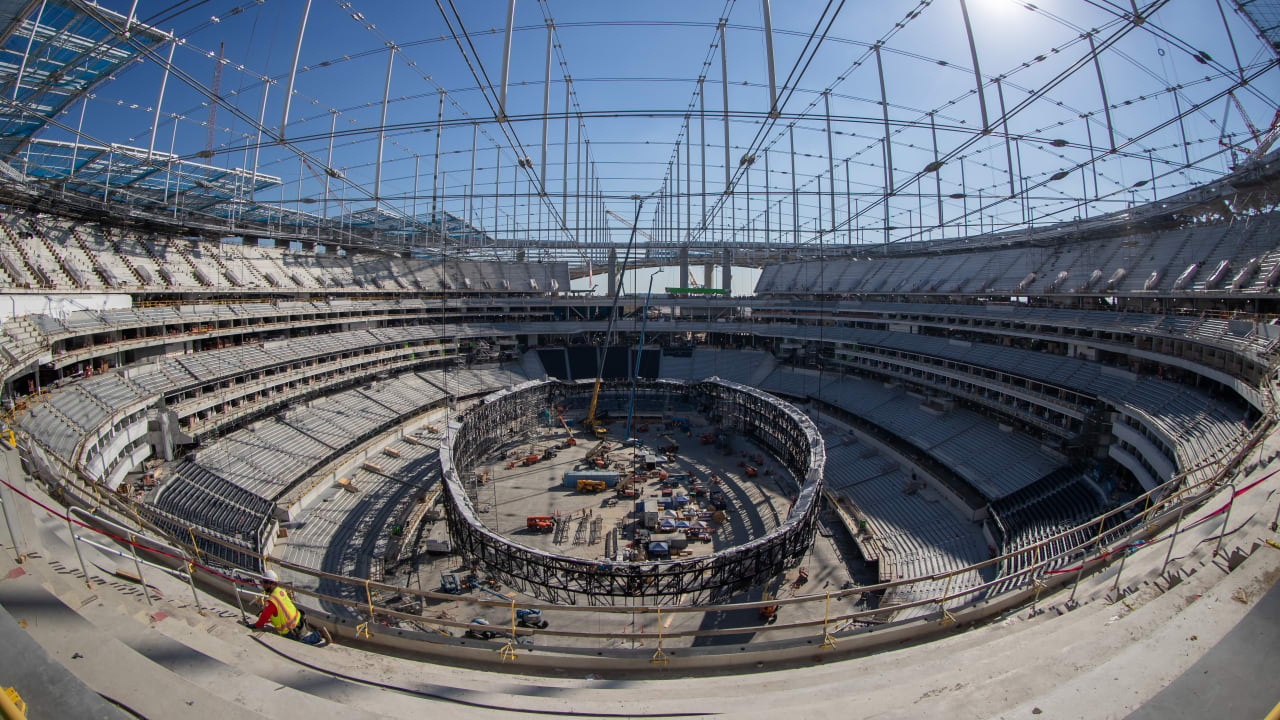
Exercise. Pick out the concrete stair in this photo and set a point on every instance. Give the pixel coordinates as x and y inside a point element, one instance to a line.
<point>21,261</point>
<point>124,258</point>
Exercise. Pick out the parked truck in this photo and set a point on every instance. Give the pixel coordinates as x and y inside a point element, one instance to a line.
<point>540,523</point>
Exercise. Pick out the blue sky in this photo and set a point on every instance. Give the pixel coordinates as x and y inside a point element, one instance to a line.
<point>635,59</point>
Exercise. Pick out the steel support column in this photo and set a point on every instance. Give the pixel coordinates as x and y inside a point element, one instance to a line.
<point>831,160</point>
<point>977,72</point>
<point>164,80</point>
<point>795,196</point>
<point>937,173</point>
<point>1102,87</point>
<point>506,60</point>
<point>888,143</point>
<point>724,88</point>
<point>702,138</point>
<point>546,109</point>
<point>768,52</point>
<point>293,68</point>
<point>564,164</point>
<point>382,128</point>
<point>1008,148</point>
<point>328,160</point>
<point>257,145</point>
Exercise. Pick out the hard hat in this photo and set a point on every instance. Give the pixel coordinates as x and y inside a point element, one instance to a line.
<point>270,576</point>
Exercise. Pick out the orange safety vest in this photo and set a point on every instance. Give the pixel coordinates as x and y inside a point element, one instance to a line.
<point>286,616</point>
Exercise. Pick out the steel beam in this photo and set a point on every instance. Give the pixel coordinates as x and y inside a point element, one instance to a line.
<point>768,52</point>
<point>1008,148</point>
<point>506,60</point>
<point>546,109</point>
<point>724,89</point>
<point>977,72</point>
<point>888,142</point>
<point>1102,87</point>
<point>22,67</point>
<point>164,80</point>
<point>293,68</point>
<point>382,128</point>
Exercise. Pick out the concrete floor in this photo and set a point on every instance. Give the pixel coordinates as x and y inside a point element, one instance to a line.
<point>1105,658</point>
<point>757,505</point>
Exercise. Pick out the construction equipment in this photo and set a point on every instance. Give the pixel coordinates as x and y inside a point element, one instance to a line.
<point>571,441</point>
<point>600,448</point>
<point>591,486</point>
<point>768,613</point>
<point>590,422</point>
<point>623,220</point>
<point>801,579</point>
<point>531,619</point>
<point>751,471</point>
<point>540,523</point>
<point>530,460</point>
<point>449,583</point>
<point>215,87</point>
<point>476,634</point>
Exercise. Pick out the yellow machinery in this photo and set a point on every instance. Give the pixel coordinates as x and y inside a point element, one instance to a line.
<point>570,441</point>
<point>591,486</point>
<point>590,423</point>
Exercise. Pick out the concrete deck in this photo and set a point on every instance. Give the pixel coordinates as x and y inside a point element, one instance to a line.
<point>1106,657</point>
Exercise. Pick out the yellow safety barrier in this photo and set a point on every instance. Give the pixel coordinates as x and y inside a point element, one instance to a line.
<point>11,705</point>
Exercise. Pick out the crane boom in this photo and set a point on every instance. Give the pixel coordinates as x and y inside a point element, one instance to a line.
<point>214,87</point>
<point>590,421</point>
<point>1253,130</point>
<point>633,227</point>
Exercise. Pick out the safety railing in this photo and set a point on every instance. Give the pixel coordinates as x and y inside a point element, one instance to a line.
<point>132,541</point>
<point>1093,544</point>
<point>1148,512</point>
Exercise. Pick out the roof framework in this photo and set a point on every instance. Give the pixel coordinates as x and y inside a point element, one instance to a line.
<point>844,156</point>
<point>52,56</point>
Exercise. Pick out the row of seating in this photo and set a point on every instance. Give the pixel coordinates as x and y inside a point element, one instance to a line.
<point>190,496</point>
<point>62,420</point>
<point>1056,508</point>
<point>995,462</point>
<point>270,457</point>
<point>44,251</point>
<point>351,533</point>
<point>736,365</point>
<point>913,529</point>
<point>1237,257</point>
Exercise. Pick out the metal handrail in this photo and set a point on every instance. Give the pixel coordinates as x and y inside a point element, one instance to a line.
<point>1159,504</point>
<point>131,543</point>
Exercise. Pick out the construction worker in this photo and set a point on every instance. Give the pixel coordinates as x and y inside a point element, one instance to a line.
<point>284,616</point>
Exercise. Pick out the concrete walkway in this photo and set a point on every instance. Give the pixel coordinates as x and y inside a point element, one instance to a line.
<point>1105,658</point>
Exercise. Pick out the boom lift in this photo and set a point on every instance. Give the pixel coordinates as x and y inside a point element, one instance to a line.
<point>590,423</point>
